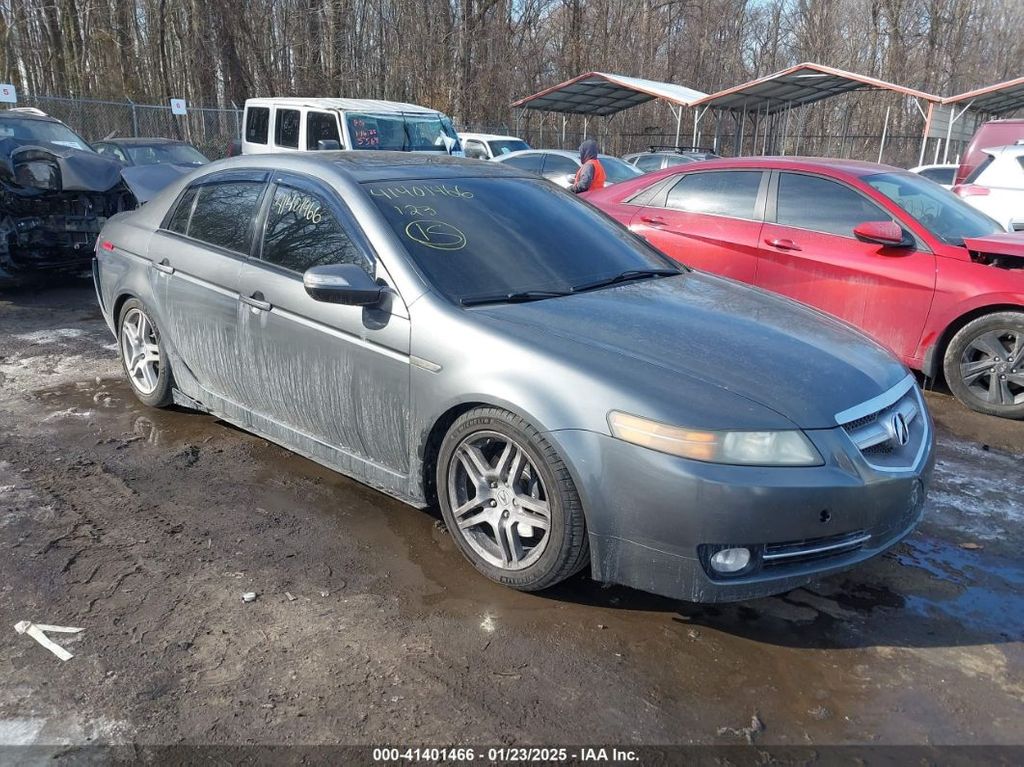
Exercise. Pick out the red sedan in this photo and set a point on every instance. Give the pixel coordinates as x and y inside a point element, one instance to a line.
<point>934,280</point>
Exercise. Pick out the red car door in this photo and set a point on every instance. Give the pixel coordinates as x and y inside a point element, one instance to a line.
<point>808,252</point>
<point>709,220</point>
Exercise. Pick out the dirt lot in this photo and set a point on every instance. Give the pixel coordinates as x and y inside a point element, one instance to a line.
<point>146,527</point>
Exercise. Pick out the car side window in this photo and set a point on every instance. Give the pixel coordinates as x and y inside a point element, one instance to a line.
<point>939,175</point>
<point>721,193</point>
<point>530,162</point>
<point>303,231</point>
<point>178,221</point>
<point>648,162</point>
<point>821,205</point>
<point>286,128</point>
<point>321,126</point>
<point>257,124</point>
<point>556,167</point>
<point>474,149</point>
<point>223,214</point>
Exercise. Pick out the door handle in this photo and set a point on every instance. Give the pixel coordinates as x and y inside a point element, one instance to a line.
<point>164,266</point>
<point>256,301</point>
<point>782,243</point>
<point>654,220</point>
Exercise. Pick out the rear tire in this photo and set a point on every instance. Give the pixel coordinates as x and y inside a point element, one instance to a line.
<point>509,501</point>
<point>143,356</point>
<point>984,365</point>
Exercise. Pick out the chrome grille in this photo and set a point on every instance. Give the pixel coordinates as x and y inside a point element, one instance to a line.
<point>891,431</point>
<point>813,548</point>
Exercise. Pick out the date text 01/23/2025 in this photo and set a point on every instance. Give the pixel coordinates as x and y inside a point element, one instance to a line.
<point>501,754</point>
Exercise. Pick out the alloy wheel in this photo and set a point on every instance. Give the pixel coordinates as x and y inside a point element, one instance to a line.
<point>992,367</point>
<point>141,351</point>
<point>498,500</point>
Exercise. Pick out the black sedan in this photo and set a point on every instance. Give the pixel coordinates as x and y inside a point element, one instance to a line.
<point>152,151</point>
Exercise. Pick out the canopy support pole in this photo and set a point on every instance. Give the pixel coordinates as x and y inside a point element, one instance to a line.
<point>885,132</point>
<point>565,119</point>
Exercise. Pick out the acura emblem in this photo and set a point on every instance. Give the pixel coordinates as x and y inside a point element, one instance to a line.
<point>898,429</point>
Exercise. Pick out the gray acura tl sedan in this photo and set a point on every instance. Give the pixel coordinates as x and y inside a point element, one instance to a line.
<point>465,334</point>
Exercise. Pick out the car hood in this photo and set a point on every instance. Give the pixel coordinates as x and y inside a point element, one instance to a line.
<point>146,181</point>
<point>1003,244</point>
<point>703,338</point>
<point>80,171</point>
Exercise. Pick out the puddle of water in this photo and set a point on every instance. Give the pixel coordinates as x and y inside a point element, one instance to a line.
<point>989,593</point>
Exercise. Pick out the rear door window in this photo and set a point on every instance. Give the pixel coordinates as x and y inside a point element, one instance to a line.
<point>648,162</point>
<point>303,230</point>
<point>530,162</point>
<point>286,128</point>
<point>321,126</point>
<point>178,221</point>
<point>821,205</point>
<point>223,214</point>
<point>257,124</point>
<point>556,168</point>
<point>730,193</point>
<point>939,175</point>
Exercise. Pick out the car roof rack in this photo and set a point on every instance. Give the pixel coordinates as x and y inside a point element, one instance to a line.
<point>679,149</point>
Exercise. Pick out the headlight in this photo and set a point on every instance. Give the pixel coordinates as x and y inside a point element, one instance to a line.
<point>750,448</point>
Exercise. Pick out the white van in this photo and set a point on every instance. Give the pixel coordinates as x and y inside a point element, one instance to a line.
<point>308,125</point>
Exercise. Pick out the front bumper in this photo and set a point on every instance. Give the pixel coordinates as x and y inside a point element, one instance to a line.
<point>654,519</point>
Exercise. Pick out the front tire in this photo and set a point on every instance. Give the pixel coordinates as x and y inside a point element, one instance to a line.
<point>509,501</point>
<point>984,364</point>
<point>142,355</point>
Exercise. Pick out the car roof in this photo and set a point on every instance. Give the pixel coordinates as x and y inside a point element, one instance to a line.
<point>490,137</point>
<point>1011,150</point>
<point>141,141</point>
<point>349,105</point>
<point>364,166</point>
<point>20,114</point>
<point>853,168</point>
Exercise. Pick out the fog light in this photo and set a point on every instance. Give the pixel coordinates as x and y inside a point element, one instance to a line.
<point>730,560</point>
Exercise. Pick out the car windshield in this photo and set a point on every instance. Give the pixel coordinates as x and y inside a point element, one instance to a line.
<point>507,146</point>
<point>42,132</point>
<point>939,211</point>
<point>616,170</point>
<point>476,238</point>
<point>402,132</point>
<point>166,154</point>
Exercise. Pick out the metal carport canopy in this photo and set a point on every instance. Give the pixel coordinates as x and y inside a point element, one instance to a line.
<point>801,84</point>
<point>599,94</point>
<point>999,99</point>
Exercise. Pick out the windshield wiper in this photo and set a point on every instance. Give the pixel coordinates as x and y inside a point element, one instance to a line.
<point>515,298</point>
<point>626,276</point>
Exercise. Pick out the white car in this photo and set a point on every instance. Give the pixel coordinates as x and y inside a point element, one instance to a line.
<point>943,175</point>
<point>487,146</point>
<point>309,124</point>
<point>996,186</point>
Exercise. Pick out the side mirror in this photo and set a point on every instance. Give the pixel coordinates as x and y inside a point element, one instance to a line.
<point>342,284</point>
<point>887,233</point>
<point>1017,225</point>
<point>328,145</point>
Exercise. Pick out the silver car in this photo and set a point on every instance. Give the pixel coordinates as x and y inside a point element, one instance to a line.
<point>559,165</point>
<point>459,333</point>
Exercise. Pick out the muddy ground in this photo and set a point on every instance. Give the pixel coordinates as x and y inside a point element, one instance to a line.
<point>145,527</point>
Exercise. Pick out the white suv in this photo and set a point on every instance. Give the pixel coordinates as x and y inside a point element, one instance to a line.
<point>308,125</point>
<point>996,186</point>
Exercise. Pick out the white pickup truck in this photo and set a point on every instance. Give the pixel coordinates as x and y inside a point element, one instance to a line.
<point>312,124</point>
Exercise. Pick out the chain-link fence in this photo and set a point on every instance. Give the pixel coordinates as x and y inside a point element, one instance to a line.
<point>209,129</point>
<point>213,129</point>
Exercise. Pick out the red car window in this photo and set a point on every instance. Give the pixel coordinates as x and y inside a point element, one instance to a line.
<point>820,205</point>
<point>721,193</point>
